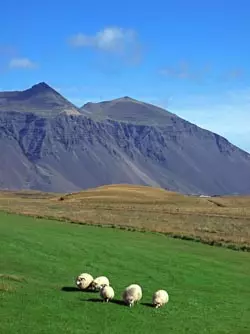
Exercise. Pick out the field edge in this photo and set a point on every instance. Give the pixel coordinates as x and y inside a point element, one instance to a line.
<point>187,237</point>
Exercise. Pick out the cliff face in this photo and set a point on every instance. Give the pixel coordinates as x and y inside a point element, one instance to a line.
<point>72,152</point>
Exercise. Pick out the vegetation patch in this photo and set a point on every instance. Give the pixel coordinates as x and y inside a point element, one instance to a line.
<point>14,278</point>
<point>208,286</point>
<point>220,221</point>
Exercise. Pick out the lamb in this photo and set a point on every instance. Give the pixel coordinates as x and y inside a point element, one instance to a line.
<point>160,298</point>
<point>97,283</point>
<point>83,281</point>
<point>107,293</point>
<point>132,294</point>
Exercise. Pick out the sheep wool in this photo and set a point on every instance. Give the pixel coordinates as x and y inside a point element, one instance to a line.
<point>98,282</point>
<point>160,298</point>
<point>83,281</point>
<point>107,293</point>
<point>132,294</point>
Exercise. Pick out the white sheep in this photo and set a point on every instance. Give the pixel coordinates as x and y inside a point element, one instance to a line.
<point>132,294</point>
<point>83,281</point>
<point>160,298</point>
<point>98,282</point>
<point>106,292</point>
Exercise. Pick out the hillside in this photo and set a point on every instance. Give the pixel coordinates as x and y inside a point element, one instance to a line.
<point>62,153</point>
<point>208,287</point>
<point>222,221</point>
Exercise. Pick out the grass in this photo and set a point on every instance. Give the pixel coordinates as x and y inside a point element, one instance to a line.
<point>223,221</point>
<point>208,286</point>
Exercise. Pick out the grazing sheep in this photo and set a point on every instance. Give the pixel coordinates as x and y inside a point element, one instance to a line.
<point>106,292</point>
<point>83,281</point>
<point>160,298</point>
<point>98,282</point>
<point>132,294</point>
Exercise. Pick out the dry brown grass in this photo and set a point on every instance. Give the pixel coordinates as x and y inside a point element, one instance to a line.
<point>218,220</point>
<point>14,278</point>
<point>6,282</point>
<point>6,287</point>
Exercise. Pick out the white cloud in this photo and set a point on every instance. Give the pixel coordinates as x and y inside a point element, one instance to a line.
<point>109,39</point>
<point>185,71</point>
<point>23,63</point>
<point>115,40</point>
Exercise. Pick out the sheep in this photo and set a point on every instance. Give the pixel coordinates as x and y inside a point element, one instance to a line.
<point>98,282</point>
<point>160,298</point>
<point>83,281</point>
<point>132,294</point>
<point>107,293</point>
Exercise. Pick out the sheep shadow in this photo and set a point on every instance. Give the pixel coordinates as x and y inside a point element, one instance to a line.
<point>70,289</point>
<point>98,300</point>
<point>147,304</point>
<point>93,300</point>
<point>117,302</point>
<point>114,301</point>
<point>74,289</point>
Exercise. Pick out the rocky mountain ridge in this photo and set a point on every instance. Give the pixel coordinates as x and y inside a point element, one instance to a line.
<point>61,152</point>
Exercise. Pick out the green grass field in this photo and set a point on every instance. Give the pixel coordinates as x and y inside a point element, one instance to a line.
<point>209,287</point>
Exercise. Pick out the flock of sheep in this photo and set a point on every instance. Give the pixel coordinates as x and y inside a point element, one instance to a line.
<point>131,295</point>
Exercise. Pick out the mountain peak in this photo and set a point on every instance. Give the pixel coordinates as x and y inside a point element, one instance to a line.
<point>40,99</point>
<point>130,110</point>
<point>127,98</point>
<point>40,87</point>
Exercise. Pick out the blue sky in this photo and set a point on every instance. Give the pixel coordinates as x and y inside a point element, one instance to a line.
<point>192,57</point>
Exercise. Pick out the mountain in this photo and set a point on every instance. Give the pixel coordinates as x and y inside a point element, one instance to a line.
<point>126,109</point>
<point>121,141</point>
<point>40,99</point>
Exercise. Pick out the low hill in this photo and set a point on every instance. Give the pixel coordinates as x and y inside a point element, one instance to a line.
<point>208,287</point>
<point>124,193</point>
